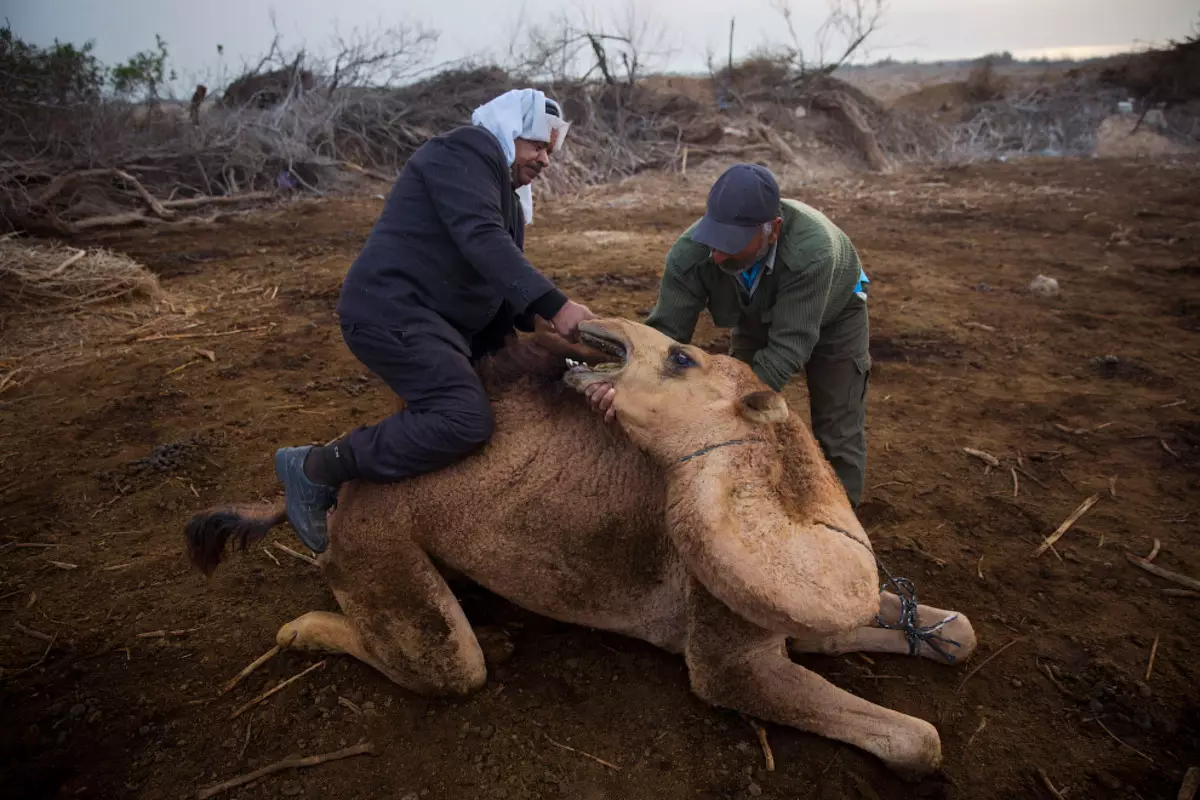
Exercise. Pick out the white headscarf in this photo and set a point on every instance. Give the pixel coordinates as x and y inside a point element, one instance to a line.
<point>521,114</point>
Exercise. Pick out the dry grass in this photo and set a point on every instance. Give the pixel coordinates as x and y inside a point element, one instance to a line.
<point>60,306</point>
<point>53,275</point>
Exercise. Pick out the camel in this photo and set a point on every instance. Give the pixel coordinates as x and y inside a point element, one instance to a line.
<point>705,522</point>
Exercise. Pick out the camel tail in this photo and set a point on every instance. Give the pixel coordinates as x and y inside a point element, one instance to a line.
<point>209,531</point>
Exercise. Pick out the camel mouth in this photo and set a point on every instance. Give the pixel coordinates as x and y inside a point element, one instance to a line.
<point>580,375</point>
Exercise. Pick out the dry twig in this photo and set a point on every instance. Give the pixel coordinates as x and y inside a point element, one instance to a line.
<point>978,730</point>
<point>1066,525</point>
<point>366,748</point>
<point>582,753</point>
<point>1153,552</point>
<point>255,664</point>
<point>165,336</point>
<point>294,554</point>
<point>1031,476</point>
<point>768,756</point>
<point>37,663</point>
<point>1154,569</point>
<point>45,637</point>
<point>1153,653</point>
<point>162,634</point>
<point>1117,739</point>
<point>985,457</point>
<point>984,663</point>
<point>1045,779</point>
<point>278,687</point>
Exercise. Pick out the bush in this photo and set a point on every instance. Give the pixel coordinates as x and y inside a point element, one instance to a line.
<point>60,75</point>
<point>984,84</point>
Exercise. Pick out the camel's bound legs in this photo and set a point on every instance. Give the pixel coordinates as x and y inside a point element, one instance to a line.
<point>400,617</point>
<point>872,639</point>
<point>735,664</point>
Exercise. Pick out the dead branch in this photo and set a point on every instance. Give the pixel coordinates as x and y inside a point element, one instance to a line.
<point>845,108</point>
<point>1154,569</point>
<point>597,759</point>
<point>366,748</point>
<point>277,688</point>
<point>1066,525</point>
<point>984,663</point>
<point>63,181</point>
<point>255,664</point>
<point>985,457</point>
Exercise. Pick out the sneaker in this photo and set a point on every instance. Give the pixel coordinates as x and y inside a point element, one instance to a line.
<point>307,502</point>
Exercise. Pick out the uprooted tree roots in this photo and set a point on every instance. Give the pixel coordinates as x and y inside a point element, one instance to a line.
<point>109,164</point>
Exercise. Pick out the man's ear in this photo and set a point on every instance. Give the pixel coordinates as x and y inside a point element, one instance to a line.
<point>763,408</point>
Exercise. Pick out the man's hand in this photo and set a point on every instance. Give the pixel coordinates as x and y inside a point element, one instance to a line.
<point>566,321</point>
<point>600,398</point>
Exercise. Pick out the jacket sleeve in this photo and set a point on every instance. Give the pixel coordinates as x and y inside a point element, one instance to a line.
<point>466,195</point>
<point>681,297</point>
<point>795,323</point>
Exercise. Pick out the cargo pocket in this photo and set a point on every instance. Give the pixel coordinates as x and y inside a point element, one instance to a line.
<point>862,372</point>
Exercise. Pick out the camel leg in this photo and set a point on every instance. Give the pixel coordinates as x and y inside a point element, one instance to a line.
<point>326,632</point>
<point>873,639</point>
<point>737,665</point>
<point>400,616</point>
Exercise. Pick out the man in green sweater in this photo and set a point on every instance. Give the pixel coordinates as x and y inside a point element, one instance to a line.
<point>791,286</point>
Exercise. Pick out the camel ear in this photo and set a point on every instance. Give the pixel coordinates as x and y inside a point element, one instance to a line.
<point>763,407</point>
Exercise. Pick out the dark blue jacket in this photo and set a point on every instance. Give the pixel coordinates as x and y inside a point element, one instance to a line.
<point>446,254</point>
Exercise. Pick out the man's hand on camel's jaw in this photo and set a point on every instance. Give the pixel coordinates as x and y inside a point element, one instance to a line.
<point>600,398</point>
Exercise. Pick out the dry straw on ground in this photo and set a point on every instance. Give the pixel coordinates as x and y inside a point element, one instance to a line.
<point>53,275</point>
<point>61,306</point>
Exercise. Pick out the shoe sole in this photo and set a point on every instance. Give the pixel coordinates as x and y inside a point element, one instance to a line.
<point>281,457</point>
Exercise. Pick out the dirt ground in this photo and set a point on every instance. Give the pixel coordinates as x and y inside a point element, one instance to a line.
<point>1092,391</point>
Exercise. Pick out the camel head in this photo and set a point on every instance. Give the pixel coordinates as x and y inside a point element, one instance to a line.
<point>674,399</point>
<point>767,530</point>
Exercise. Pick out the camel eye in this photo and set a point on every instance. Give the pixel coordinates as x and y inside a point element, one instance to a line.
<point>681,360</point>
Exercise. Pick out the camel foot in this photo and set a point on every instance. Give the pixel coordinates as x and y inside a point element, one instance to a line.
<point>320,631</point>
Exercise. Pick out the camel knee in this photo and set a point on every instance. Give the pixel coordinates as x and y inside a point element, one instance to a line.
<point>721,680</point>
<point>453,668</point>
<point>461,678</point>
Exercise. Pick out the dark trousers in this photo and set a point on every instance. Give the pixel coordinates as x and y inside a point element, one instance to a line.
<point>446,414</point>
<point>837,375</point>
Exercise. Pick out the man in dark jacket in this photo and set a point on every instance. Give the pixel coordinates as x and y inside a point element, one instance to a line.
<point>440,282</point>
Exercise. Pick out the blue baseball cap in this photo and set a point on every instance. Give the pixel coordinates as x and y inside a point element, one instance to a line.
<point>744,198</point>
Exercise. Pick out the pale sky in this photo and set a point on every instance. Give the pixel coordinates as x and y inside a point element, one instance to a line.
<point>922,29</point>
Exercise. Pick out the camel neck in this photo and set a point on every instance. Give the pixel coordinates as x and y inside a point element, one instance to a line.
<point>709,448</point>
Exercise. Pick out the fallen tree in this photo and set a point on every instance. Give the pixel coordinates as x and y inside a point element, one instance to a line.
<point>295,123</point>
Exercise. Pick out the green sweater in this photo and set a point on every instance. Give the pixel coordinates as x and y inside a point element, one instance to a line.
<point>816,269</point>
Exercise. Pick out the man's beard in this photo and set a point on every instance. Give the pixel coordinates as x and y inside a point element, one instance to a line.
<point>731,267</point>
<point>516,173</point>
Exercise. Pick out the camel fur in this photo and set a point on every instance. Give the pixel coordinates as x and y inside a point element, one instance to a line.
<point>725,556</point>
